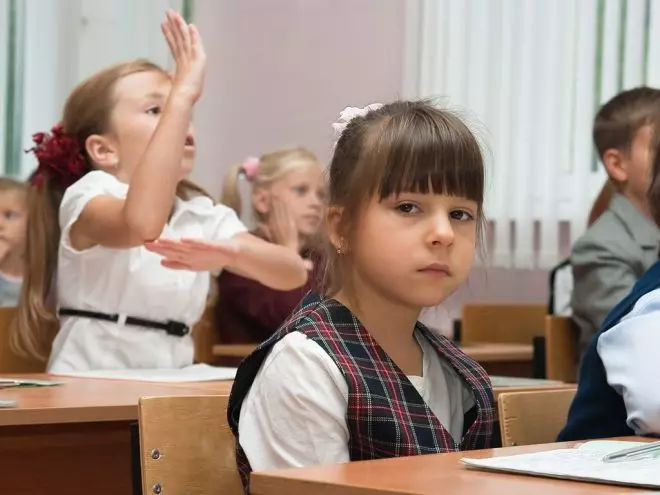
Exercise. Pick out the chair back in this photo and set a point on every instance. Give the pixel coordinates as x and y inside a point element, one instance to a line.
<point>561,349</point>
<point>502,323</point>
<point>531,418</point>
<point>186,446</point>
<point>205,337</point>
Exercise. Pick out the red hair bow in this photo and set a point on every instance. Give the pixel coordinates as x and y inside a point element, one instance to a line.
<point>60,157</point>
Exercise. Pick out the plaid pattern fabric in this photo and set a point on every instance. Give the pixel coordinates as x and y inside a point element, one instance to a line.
<point>386,416</point>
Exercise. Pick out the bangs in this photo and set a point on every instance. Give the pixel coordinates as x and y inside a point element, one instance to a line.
<point>424,150</point>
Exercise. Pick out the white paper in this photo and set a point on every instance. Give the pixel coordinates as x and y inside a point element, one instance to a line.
<point>584,463</point>
<point>194,373</point>
<point>609,446</point>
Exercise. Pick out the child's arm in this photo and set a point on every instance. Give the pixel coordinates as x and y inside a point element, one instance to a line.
<point>275,266</point>
<point>244,254</point>
<point>119,223</point>
<point>629,352</point>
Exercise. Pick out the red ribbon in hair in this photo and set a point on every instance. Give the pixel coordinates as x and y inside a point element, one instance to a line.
<point>60,157</point>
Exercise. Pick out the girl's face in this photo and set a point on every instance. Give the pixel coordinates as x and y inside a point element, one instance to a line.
<point>412,250</point>
<point>302,192</point>
<point>139,102</point>
<point>13,218</point>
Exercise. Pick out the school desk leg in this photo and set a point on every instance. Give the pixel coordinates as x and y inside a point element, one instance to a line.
<point>136,465</point>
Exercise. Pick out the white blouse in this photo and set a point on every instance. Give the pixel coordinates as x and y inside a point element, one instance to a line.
<point>130,282</point>
<point>294,414</point>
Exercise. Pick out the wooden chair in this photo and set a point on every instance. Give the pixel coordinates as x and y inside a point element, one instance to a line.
<point>204,336</point>
<point>530,418</point>
<point>561,349</point>
<point>207,347</point>
<point>186,446</point>
<point>10,362</point>
<point>502,323</point>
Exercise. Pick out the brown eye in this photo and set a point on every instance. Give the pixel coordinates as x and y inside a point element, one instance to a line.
<point>461,216</point>
<point>407,208</point>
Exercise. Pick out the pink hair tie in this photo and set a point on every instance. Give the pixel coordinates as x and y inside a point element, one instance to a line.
<point>250,168</point>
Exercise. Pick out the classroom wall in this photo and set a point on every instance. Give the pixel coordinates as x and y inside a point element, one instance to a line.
<point>281,71</point>
<point>279,74</point>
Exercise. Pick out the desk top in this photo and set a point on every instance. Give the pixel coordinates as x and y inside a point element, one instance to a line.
<point>80,400</point>
<point>422,475</point>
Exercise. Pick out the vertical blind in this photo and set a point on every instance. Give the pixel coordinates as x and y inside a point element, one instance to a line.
<point>530,75</point>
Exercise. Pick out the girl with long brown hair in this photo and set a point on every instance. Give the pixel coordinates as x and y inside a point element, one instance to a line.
<point>353,374</point>
<point>111,180</point>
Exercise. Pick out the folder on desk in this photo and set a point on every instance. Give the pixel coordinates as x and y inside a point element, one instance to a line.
<point>26,382</point>
<point>583,463</point>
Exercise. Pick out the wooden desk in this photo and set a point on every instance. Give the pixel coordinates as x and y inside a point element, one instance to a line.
<point>502,359</point>
<point>75,438</point>
<point>498,359</point>
<point>422,475</point>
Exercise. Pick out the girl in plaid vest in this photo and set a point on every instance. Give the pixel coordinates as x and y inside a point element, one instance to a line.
<point>353,374</point>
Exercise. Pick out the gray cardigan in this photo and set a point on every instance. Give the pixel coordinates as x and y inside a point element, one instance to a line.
<point>608,260</point>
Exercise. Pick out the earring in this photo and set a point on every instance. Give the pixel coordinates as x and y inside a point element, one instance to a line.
<point>340,248</point>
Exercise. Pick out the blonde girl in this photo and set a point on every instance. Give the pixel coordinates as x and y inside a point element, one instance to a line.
<point>112,180</point>
<point>352,374</point>
<point>287,198</point>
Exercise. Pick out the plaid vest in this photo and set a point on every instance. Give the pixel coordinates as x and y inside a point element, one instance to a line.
<point>386,416</point>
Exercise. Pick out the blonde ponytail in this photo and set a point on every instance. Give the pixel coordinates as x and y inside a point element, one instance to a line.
<point>231,196</point>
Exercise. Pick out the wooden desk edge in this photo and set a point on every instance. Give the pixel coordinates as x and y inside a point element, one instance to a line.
<point>267,481</point>
<point>497,391</point>
<point>498,353</point>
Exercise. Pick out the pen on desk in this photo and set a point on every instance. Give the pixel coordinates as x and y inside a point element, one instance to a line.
<point>633,452</point>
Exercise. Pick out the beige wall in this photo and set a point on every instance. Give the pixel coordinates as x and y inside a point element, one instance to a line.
<point>281,71</point>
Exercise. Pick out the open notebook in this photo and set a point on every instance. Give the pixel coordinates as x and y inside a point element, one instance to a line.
<point>583,463</point>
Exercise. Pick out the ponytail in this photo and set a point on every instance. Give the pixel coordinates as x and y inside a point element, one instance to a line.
<point>36,324</point>
<point>231,196</point>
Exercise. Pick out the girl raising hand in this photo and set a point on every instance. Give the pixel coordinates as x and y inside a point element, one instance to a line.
<point>112,177</point>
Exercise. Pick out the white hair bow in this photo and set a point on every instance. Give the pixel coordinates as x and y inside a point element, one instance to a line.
<point>348,114</point>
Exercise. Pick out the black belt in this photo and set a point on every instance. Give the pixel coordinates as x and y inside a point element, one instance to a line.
<point>171,327</point>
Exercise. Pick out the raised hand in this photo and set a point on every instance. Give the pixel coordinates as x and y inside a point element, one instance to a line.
<point>195,255</point>
<point>5,247</point>
<point>188,51</point>
<point>282,225</point>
